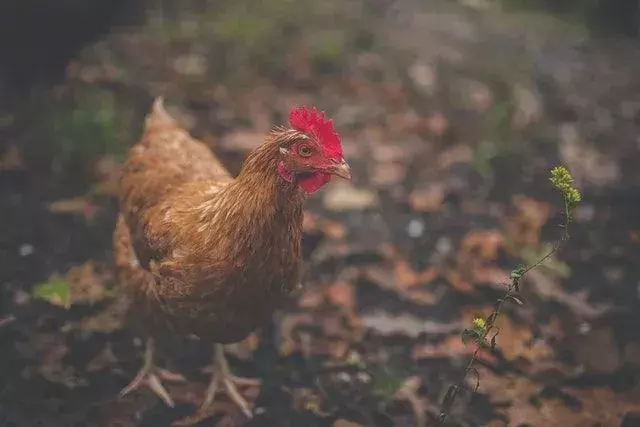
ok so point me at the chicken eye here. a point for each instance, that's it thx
(304, 151)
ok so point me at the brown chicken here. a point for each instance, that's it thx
(204, 254)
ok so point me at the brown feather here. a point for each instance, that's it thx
(200, 252)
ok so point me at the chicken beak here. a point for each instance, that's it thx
(342, 170)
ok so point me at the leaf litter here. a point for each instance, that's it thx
(369, 299)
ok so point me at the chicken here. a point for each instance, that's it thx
(204, 254)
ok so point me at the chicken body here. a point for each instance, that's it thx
(198, 251)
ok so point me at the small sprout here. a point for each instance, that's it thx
(563, 182)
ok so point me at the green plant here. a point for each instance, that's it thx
(483, 331)
(56, 292)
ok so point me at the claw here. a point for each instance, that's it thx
(151, 376)
(221, 378)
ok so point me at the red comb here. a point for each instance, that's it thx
(314, 123)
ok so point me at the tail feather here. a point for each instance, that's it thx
(158, 116)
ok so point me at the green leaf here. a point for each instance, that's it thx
(56, 292)
(469, 335)
(515, 299)
(518, 272)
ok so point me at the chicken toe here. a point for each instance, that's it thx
(151, 376)
(221, 378)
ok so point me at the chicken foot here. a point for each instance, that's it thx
(150, 375)
(221, 378)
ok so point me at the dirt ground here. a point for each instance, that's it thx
(450, 193)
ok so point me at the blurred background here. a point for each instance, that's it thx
(452, 113)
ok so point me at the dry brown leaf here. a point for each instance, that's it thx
(531, 215)
(460, 153)
(311, 298)
(485, 243)
(79, 206)
(455, 279)
(437, 124)
(343, 197)
(387, 174)
(289, 323)
(333, 229)
(451, 347)
(421, 296)
(409, 391)
(428, 199)
(341, 294)
(515, 397)
(550, 288)
(86, 284)
(310, 222)
(111, 319)
(478, 253)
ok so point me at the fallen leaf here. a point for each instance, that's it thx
(342, 295)
(333, 229)
(409, 391)
(56, 291)
(450, 348)
(387, 174)
(428, 199)
(78, 206)
(311, 298)
(310, 222)
(405, 324)
(455, 279)
(85, 284)
(523, 402)
(460, 153)
(345, 197)
(485, 243)
(287, 326)
(548, 287)
(110, 319)
(437, 124)
(531, 215)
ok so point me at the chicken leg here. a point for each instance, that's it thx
(221, 377)
(151, 376)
